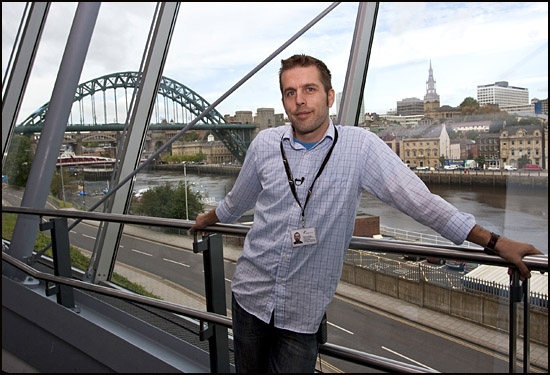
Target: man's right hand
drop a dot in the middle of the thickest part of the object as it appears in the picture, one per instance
(202, 221)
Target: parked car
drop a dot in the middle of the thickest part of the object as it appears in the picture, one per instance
(414, 258)
(532, 167)
(510, 168)
(456, 265)
(450, 167)
(436, 260)
(422, 168)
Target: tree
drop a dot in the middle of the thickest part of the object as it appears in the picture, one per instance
(198, 157)
(190, 136)
(472, 134)
(480, 160)
(529, 121)
(60, 186)
(523, 160)
(19, 160)
(169, 202)
(469, 106)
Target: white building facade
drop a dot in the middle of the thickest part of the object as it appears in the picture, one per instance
(503, 95)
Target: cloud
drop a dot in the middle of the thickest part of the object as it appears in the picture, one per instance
(216, 44)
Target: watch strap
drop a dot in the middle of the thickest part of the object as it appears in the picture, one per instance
(489, 249)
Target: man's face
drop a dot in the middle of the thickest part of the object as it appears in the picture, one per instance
(306, 103)
(296, 236)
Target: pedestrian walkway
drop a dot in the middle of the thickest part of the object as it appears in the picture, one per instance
(461, 329)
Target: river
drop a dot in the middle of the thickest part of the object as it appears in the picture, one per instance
(515, 212)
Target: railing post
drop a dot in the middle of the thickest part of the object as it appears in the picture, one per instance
(526, 327)
(515, 298)
(214, 281)
(61, 258)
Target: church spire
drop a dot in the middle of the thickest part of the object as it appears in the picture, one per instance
(431, 93)
(431, 99)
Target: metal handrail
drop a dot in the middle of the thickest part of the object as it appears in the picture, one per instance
(173, 307)
(337, 351)
(534, 262)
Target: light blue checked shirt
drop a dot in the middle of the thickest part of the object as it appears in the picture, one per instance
(297, 283)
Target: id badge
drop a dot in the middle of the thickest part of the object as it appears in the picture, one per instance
(303, 237)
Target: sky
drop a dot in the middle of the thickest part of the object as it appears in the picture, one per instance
(216, 44)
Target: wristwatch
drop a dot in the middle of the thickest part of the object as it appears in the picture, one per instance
(489, 249)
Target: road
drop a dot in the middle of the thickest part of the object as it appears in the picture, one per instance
(351, 324)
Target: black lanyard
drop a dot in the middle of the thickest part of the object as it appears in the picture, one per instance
(291, 179)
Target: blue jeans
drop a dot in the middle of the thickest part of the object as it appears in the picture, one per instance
(262, 348)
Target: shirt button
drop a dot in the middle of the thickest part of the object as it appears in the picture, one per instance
(285, 257)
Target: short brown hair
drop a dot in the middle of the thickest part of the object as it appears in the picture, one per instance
(304, 61)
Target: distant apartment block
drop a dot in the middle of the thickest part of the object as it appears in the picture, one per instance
(410, 121)
(503, 95)
(519, 141)
(410, 106)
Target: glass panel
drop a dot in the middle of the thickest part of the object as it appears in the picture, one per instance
(85, 156)
(428, 64)
(205, 60)
(414, 303)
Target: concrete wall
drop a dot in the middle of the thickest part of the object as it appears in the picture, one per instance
(481, 178)
(477, 308)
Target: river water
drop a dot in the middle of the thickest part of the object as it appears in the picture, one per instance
(518, 213)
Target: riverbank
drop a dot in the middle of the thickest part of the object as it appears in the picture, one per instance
(200, 169)
(528, 179)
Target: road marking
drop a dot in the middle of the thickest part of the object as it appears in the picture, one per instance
(141, 252)
(343, 329)
(85, 235)
(408, 359)
(424, 328)
(173, 261)
(322, 363)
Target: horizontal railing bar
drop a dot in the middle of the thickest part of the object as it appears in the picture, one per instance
(376, 362)
(352, 355)
(173, 307)
(534, 262)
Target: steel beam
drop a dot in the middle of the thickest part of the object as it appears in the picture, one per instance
(22, 66)
(109, 234)
(358, 63)
(43, 166)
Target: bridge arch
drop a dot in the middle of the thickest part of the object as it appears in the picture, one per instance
(169, 89)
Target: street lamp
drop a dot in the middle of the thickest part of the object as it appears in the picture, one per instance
(62, 184)
(185, 179)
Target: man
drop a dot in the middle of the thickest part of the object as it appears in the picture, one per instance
(281, 289)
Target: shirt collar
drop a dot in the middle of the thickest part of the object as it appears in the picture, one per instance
(289, 134)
